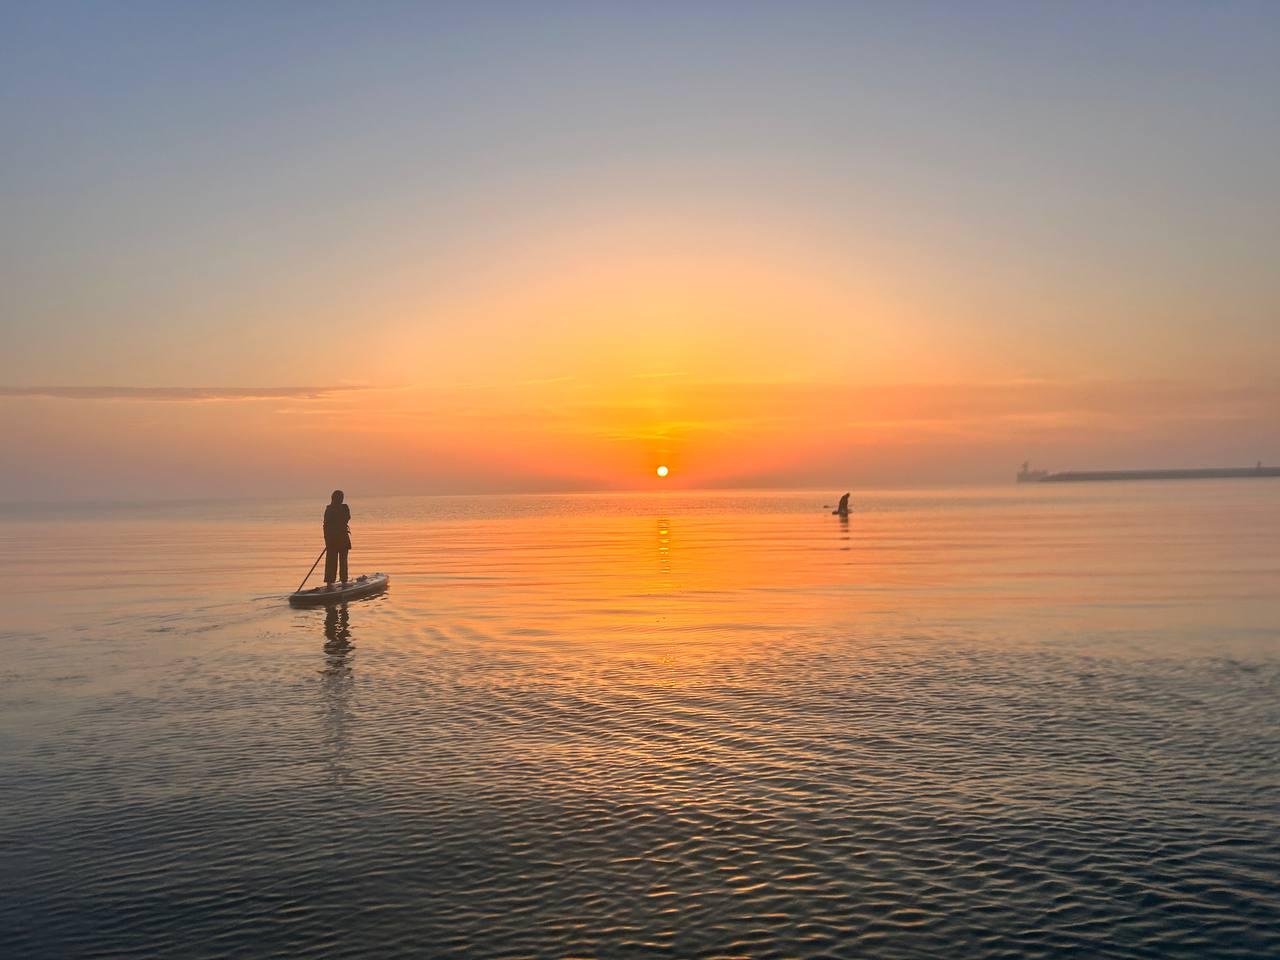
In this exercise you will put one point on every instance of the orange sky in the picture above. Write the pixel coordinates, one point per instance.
(827, 250)
(733, 354)
(575, 434)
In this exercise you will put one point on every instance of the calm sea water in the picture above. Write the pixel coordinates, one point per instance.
(1017, 722)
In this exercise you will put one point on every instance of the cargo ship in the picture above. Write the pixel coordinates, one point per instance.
(1027, 475)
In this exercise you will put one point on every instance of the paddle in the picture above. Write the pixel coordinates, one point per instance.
(311, 571)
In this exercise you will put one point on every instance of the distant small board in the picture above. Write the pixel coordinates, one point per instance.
(365, 586)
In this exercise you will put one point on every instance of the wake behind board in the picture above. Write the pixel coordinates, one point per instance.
(365, 586)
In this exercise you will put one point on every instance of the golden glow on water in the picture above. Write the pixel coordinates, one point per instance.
(732, 567)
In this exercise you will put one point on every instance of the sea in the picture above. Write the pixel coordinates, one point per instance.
(1027, 721)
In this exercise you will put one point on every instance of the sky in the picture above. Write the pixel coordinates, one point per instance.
(486, 247)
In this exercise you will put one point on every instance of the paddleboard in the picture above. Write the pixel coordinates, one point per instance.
(364, 586)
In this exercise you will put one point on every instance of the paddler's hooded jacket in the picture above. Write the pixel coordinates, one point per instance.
(336, 534)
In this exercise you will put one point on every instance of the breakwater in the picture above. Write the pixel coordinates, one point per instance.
(1210, 473)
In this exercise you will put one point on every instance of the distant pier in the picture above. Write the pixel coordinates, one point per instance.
(1090, 476)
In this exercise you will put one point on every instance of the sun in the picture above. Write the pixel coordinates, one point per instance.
(663, 471)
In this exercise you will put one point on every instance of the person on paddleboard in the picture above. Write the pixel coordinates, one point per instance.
(337, 538)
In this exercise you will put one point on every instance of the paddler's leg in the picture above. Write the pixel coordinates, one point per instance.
(342, 565)
(330, 565)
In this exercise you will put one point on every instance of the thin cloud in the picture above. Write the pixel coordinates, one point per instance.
(178, 394)
(544, 380)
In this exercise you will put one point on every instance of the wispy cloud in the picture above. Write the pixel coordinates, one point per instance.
(546, 380)
(178, 394)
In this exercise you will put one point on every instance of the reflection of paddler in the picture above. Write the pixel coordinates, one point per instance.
(843, 509)
(337, 685)
(337, 633)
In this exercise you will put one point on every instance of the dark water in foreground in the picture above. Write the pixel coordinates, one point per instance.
(1004, 723)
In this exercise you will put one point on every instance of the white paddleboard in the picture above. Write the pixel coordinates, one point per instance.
(364, 586)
